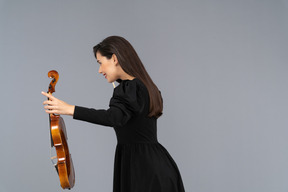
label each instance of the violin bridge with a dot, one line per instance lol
(54, 157)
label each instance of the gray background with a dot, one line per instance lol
(221, 67)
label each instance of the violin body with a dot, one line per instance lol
(64, 161)
(64, 165)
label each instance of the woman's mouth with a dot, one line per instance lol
(105, 75)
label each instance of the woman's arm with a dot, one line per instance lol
(111, 117)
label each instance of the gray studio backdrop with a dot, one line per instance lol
(220, 65)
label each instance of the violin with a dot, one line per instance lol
(64, 165)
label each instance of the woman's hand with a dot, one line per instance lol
(54, 105)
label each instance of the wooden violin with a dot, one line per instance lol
(64, 165)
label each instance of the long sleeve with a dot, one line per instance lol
(112, 117)
(123, 105)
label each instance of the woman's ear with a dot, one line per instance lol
(115, 60)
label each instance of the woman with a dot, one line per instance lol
(141, 163)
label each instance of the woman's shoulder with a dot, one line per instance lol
(131, 94)
(130, 87)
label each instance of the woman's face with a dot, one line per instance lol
(108, 67)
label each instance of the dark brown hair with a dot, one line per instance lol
(132, 65)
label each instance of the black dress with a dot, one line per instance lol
(141, 164)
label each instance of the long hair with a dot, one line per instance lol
(132, 65)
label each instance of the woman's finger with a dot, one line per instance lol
(47, 102)
(50, 107)
(51, 97)
(45, 94)
(51, 111)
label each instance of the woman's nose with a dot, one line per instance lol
(100, 70)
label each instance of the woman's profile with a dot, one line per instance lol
(141, 163)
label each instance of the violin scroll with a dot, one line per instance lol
(52, 74)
